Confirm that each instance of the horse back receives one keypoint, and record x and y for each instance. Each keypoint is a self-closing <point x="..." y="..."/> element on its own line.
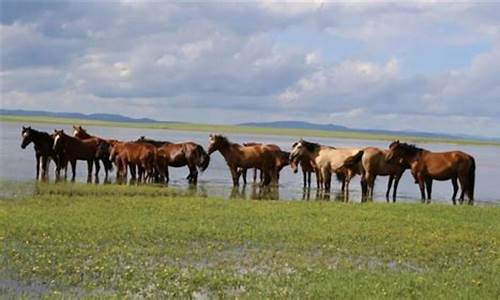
<point x="444" y="165"/>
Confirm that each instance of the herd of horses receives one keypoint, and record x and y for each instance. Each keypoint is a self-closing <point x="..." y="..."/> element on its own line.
<point x="148" y="160"/>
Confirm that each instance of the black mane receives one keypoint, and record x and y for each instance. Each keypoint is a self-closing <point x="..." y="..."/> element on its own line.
<point x="311" y="147"/>
<point x="410" y="148"/>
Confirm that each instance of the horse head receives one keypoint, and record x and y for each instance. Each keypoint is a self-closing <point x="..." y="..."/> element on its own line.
<point x="58" y="136"/>
<point x="79" y="132"/>
<point x="215" y="142"/>
<point x="26" y="133"/>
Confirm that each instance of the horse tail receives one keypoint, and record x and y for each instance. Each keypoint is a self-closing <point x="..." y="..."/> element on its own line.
<point x="202" y="159"/>
<point x="472" y="179"/>
<point x="340" y="176"/>
<point x="353" y="160"/>
<point x="108" y="164"/>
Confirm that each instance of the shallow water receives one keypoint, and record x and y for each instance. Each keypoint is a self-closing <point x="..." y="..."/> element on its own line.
<point x="19" y="165"/>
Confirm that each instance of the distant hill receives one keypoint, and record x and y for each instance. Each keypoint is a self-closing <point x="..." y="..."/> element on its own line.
<point x="278" y="124"/>
<point x="70" y="115"/>
<point x="333" y="127"/>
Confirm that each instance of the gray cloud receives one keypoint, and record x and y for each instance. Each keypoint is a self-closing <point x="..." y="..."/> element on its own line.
<point x="225" y="59"/>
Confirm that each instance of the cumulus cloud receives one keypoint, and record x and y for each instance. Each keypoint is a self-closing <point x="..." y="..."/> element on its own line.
<point x="238" y="62"/>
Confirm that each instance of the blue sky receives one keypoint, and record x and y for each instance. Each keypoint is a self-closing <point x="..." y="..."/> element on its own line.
<point x="384" y="65"/>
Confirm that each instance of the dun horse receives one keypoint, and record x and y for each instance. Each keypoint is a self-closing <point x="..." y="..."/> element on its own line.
<point x="74" y="149"/>
<point x="237" y="157"/>
<point x="373" y="162"/>
<point x="427" y="166"/>
<point x="327" y="160"/>
<point x="80" y="133"/>
<point x="43" y="149"/>
<point x="183" y="154"/>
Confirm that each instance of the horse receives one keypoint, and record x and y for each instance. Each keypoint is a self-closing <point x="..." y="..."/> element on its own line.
<point x="374" y="163"/>
<point x="80" y="133"/>
<point x="243" y="172"/>
<point x="308" y="167"/>
<point x="129" y="154"/>
<point x="75" y="149"/>
<point x="427" y="166"/>
<point x="182" y="154"/>
<point x="237" y="157"/>
<point x="44" y="151"/>
<point x="327" y="160"/>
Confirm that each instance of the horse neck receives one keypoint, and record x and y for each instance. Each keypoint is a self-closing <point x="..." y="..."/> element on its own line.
<point x="41" y="138"/>
<point x="83" y="135"/>
<point x="229" y="151"/>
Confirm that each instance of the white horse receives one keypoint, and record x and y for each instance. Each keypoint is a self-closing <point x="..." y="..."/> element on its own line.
<point x="328" y="160"/>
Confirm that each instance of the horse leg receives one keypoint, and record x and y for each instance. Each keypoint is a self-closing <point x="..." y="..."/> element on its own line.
<point x="37" y="157"/>
<point x="73" y="170"/>
<point x="395" y="191"/>
<point x="463" y="187"/>
<point x="194" y="172"/>
<point x="89" y="168"/>
<point x="389" y="184"/>
<point x="422" y="189"/>
<point x="308" y="178"/>
<point x="167" y="177"/>
<point x="254" y="176"/>
<point x="44" y="163"/>
<point x="234" y="175"/>
<point x="428" y="184"/>
<point x="97" y="169"/>
<point x="455" y="190"/>
<point x="347" y="180"/>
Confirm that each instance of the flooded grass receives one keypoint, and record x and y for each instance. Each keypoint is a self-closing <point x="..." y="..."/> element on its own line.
<point x="73" y="240"/>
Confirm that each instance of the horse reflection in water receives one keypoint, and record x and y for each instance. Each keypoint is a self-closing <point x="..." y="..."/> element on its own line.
<point x="255" y="192"/>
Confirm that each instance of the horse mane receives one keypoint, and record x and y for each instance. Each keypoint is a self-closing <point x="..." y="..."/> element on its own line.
<point x="42" y="134"/>
<point x="221" y="138"/>
<point x="410" y="148"/>
<point x="311" y="147"/>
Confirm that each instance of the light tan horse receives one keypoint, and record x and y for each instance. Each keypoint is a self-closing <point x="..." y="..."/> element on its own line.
<point x="374" y="163"/>
<point x="427" y="166"/>
<point x="246" y="157"/>
<point x="328" y="160"/>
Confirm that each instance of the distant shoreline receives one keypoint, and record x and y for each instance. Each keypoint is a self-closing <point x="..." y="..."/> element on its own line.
<point x="243" y="130"/>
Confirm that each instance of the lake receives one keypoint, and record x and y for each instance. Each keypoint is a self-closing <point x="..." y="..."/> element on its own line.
<point x="19" y="165"/>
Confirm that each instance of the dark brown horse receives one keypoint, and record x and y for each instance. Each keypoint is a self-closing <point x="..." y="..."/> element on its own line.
<point x="43" y="149"/>
<point x="82" y="134"/>
<point x="142" y="155"/>
<point x="308" y="167"/>
<point x="74" y="149"/>
<point x="238" y="157"/>
<point x="427" y="166"/>
<point x="182" y="154"/>
<point x="155" y="143"/>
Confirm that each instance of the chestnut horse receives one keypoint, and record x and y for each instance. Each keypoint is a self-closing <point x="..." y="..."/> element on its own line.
<point x="74" y="149"/>
<point x="142" y="155"/>
<point x="243" y="172"/>
<point x="373" y="162"/>
<point x="43" y="149"/>
<point x="182" y="154"/>
<point x="327" y="160"/>
<point x="237" y="156"/>
<point x="427" y="166"/>
<point x="80" y="133"/>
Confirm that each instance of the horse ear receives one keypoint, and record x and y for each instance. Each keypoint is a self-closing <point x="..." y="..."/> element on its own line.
<point x="24" y="128"/>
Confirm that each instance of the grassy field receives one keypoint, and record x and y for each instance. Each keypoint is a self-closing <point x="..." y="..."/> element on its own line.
<point x="72" y="240"/>
<point x="242" y="129"/>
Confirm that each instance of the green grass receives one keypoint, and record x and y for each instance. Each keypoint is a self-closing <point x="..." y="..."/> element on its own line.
<point x="228" y="129"/>
<point x="85" y="240"/>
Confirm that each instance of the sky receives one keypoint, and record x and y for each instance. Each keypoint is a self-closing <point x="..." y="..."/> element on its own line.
<point x="420" y="65"/>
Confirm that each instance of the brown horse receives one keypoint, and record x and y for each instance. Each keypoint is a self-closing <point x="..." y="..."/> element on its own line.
<point x="43" y="149"/>
<point x="74" y="149"/>
<point x="155" y="143"/>
<point x="142" y="155"/>
<point x="427" y="166"/>
<point x="373" y="162"/>
<point x="308" y="167"/>
<point x="243" y="172"/>
<point x="182" y="154"/>
<point x="237" y="157"/>
<point x="80" y="133"/>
